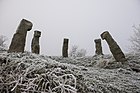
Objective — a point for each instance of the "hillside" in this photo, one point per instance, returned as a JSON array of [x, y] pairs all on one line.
[[31, 73]]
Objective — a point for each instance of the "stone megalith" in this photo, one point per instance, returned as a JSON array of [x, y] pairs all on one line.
[[19, 38], [35, 42], [98, 47], [114, 47], [65, 47]]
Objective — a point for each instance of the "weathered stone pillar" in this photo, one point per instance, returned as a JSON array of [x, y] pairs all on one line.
[[114, 47], [35, 42], [19, 38], [65, 47], [98, 47]]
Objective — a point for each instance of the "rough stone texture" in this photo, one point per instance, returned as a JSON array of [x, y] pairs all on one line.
[[35, 42], [19, 38], [114, 47], [65, 47], [98, 47]]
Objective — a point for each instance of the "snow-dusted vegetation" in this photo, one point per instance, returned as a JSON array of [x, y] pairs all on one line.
[[31, 73]]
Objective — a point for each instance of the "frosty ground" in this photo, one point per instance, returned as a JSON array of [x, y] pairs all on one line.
[[31, 73]]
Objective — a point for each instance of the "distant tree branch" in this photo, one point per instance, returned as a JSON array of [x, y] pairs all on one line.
[[76, 52], [135, 39], [3, 40]]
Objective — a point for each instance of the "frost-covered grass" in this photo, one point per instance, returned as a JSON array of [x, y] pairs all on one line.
[[31, 73]]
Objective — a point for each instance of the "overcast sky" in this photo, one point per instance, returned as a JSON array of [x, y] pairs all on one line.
[[81, 21]]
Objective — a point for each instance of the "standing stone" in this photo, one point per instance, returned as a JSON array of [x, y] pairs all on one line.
[[35, 42], [65, 47], [98, 47], [114, 47], [19, 38]]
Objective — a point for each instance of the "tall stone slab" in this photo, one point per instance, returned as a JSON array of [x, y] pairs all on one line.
[[65, 47], [98, 47], [114, 47], [35, 42], [19, 38]]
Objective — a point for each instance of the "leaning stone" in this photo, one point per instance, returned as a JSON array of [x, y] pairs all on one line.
[[19, 38], [98, 47], [114, 47], [35, 42], [65, 47]]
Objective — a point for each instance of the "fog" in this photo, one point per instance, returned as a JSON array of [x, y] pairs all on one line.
[[81, 21]]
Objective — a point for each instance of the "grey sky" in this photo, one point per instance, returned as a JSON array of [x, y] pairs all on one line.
[[79, 20]]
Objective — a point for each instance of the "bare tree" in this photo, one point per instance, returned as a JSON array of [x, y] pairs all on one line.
[[81, 53], [3, 40], [73, 51], [135, 39], [76, 52]]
